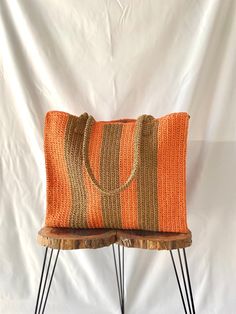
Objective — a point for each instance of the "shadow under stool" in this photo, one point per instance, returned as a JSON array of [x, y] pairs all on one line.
[[56, 239]]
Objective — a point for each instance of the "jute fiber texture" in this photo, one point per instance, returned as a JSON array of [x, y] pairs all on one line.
[[120, 174]]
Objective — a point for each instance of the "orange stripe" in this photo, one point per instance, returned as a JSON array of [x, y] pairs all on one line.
[[128, 197], [94, 206], [58, 183], [172, 137]]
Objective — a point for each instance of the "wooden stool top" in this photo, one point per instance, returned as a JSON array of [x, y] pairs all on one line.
[[71, 239]]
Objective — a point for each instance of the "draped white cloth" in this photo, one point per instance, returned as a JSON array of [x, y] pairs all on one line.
[[117, 59]]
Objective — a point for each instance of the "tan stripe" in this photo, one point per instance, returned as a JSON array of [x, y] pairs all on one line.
[[147, 178], [128, 197], [94, 206], [73, 153], [109, 174]]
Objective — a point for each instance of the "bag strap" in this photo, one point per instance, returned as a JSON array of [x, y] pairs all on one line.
[[137, 143]]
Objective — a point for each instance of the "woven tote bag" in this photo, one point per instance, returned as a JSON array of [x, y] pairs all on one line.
[[120, 174]]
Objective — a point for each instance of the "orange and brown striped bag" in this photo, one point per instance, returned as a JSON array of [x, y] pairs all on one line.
[[120, 174]]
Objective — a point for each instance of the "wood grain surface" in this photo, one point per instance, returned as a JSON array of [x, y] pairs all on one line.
[[71, 239]]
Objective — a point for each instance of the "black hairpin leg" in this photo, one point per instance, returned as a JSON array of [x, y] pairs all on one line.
[[120, 274], [44, 285], [189, 281], [189, 308]]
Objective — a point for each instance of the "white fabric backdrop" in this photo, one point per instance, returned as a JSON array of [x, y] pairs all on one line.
[[117, 59]]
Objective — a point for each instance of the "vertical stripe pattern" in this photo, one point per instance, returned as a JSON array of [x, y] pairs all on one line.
[[59, 194], [73, 154], [94, 205], [154, 200], [171, 174], [147, 178], [128, 197], [109, 174]]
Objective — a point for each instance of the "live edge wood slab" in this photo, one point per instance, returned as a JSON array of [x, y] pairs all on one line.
[[71, 239]]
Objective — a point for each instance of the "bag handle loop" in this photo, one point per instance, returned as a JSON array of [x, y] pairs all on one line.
[[137, 143]]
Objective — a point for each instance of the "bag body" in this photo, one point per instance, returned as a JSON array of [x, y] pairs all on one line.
[[120, 174]]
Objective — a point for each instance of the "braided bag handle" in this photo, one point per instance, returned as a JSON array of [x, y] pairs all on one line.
[[137, 142]]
